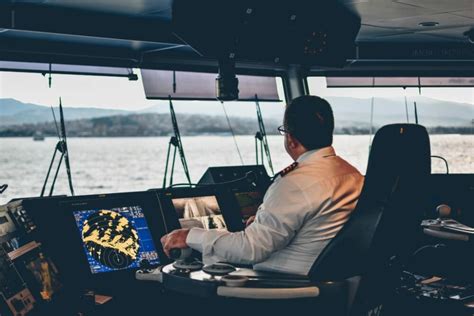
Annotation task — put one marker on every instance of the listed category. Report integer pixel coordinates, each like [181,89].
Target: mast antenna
[61,147]
[175,142]
[261,139]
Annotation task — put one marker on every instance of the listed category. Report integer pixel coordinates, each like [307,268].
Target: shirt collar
[317,153]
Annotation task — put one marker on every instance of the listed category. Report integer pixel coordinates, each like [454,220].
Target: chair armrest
[445,234]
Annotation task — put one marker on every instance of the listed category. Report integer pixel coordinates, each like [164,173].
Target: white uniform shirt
[301,212]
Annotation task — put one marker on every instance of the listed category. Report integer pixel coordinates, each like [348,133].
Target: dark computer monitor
[235,177]
[238,206]
[248,203]
[209,207]
[193,207]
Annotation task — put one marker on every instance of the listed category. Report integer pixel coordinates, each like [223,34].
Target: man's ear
[296,145]
[293,143]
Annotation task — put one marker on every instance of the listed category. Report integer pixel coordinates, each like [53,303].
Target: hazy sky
[120,93]
[106,92]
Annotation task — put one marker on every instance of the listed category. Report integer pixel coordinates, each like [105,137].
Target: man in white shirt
[303,209]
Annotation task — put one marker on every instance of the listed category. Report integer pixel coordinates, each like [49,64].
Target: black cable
[406,106]
[197,185]
[437,246]
[445,162]
[416,113]
[233,134]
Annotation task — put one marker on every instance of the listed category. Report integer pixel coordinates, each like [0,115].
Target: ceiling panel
[97,27]
[399,20]
[368,32]
[380,10]
[25,36]
[445,20]
[129,7]
[416,38]
[441,5]
[465,13]
[451,33]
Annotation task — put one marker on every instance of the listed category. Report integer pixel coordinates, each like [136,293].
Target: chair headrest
[400,149]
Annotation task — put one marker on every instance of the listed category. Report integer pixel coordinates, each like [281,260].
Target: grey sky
[120,93]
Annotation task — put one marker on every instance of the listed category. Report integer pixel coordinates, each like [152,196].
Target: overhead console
[280,32]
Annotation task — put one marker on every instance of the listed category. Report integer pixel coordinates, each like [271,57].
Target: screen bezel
[232,212]
[67,251]
[225,196]
[166,199]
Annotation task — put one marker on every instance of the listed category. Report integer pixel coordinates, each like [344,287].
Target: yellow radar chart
[110,239]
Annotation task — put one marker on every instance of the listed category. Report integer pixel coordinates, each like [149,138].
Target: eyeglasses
[282,130]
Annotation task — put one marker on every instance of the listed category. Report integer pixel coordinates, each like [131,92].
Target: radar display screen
[116,239]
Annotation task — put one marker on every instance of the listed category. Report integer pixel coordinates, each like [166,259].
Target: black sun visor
[181,85]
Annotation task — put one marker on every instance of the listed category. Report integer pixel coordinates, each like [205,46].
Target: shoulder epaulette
[288,169]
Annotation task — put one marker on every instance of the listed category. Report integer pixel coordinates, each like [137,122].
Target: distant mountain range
[150,124]
[351,112]
[14,112]
[352,116]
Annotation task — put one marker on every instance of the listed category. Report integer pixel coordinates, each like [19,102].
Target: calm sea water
[104,165]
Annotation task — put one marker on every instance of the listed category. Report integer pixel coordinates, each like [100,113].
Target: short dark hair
[310,120]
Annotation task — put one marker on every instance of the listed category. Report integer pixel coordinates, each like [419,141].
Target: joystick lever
[178,254]
[443,210]
[183,261]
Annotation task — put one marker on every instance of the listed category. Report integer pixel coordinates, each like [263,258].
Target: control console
[189,276]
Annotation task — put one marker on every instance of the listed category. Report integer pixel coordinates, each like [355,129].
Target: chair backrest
[386,219]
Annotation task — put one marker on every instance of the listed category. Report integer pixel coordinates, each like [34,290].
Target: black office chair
[380,235]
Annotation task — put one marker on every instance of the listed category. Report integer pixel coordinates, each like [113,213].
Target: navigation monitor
[115,238]
[199,211]
[248,203]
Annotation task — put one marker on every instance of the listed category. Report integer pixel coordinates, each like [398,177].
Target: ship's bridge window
[447,113]
[118,138]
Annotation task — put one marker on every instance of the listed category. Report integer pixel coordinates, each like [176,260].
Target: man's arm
[278,218]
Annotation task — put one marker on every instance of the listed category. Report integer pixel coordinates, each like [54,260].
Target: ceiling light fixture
[428,24]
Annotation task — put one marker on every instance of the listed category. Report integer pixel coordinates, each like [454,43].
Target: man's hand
[249,221]
[175,239]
